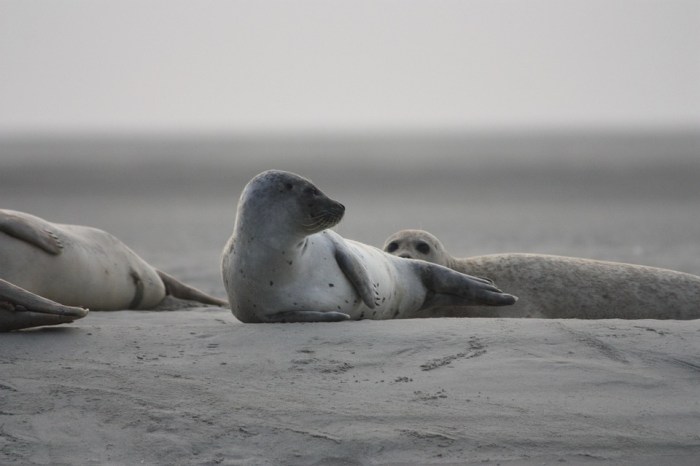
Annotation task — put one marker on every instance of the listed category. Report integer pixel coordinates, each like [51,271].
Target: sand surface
[196,386]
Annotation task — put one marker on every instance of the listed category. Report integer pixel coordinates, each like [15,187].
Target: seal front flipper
[306,316]
[32,230]
[21,309]
[356,273]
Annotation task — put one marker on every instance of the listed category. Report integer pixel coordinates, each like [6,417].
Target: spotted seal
[283,264]
[563,287]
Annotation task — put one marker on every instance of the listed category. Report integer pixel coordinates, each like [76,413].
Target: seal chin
[325,218]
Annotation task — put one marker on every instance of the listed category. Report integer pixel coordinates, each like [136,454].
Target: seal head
[300,207]
[418,244]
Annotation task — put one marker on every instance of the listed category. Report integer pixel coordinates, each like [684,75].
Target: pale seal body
[281,264]
[563,287]
[82,266]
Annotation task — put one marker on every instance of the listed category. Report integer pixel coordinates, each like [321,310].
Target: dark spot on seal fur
[272,283]
[331,285]
[138,292]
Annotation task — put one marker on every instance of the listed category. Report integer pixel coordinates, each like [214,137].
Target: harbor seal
[282,264]
[79,266]
[561,287]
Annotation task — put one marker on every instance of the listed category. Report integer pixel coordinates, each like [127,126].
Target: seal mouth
[325,218]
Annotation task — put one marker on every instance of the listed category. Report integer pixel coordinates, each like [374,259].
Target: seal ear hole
[391,247]
[422,247]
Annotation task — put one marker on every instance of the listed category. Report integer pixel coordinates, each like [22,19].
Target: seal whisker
[322,221]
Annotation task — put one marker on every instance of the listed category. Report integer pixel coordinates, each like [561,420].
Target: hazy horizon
[320,66]
[377,147]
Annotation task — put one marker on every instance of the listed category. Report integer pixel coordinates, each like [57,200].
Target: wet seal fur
[563,287]
[78,267]
[282,264]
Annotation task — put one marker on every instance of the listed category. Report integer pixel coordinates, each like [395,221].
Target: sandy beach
[198,387]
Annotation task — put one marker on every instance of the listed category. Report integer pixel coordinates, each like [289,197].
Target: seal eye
[391,247]
[289,186]
[423,248]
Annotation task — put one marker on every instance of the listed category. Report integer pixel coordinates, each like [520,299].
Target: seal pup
[81,266]
[282,264]
[21,309]
[561,287]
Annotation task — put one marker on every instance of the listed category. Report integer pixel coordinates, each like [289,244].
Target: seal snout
[333,214]
[325,217]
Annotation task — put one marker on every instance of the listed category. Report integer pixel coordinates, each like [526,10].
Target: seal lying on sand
[563,287]
[80,266]
[283,265]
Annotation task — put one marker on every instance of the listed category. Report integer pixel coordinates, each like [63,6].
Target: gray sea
[622,197]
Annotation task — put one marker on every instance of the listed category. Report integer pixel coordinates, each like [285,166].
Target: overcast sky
[262,65]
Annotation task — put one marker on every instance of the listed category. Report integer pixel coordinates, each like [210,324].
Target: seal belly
[397,290]
[94,270]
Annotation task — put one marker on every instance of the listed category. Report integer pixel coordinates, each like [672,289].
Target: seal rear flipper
[32,230]
[177,289]
[356,273]
[306,316]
